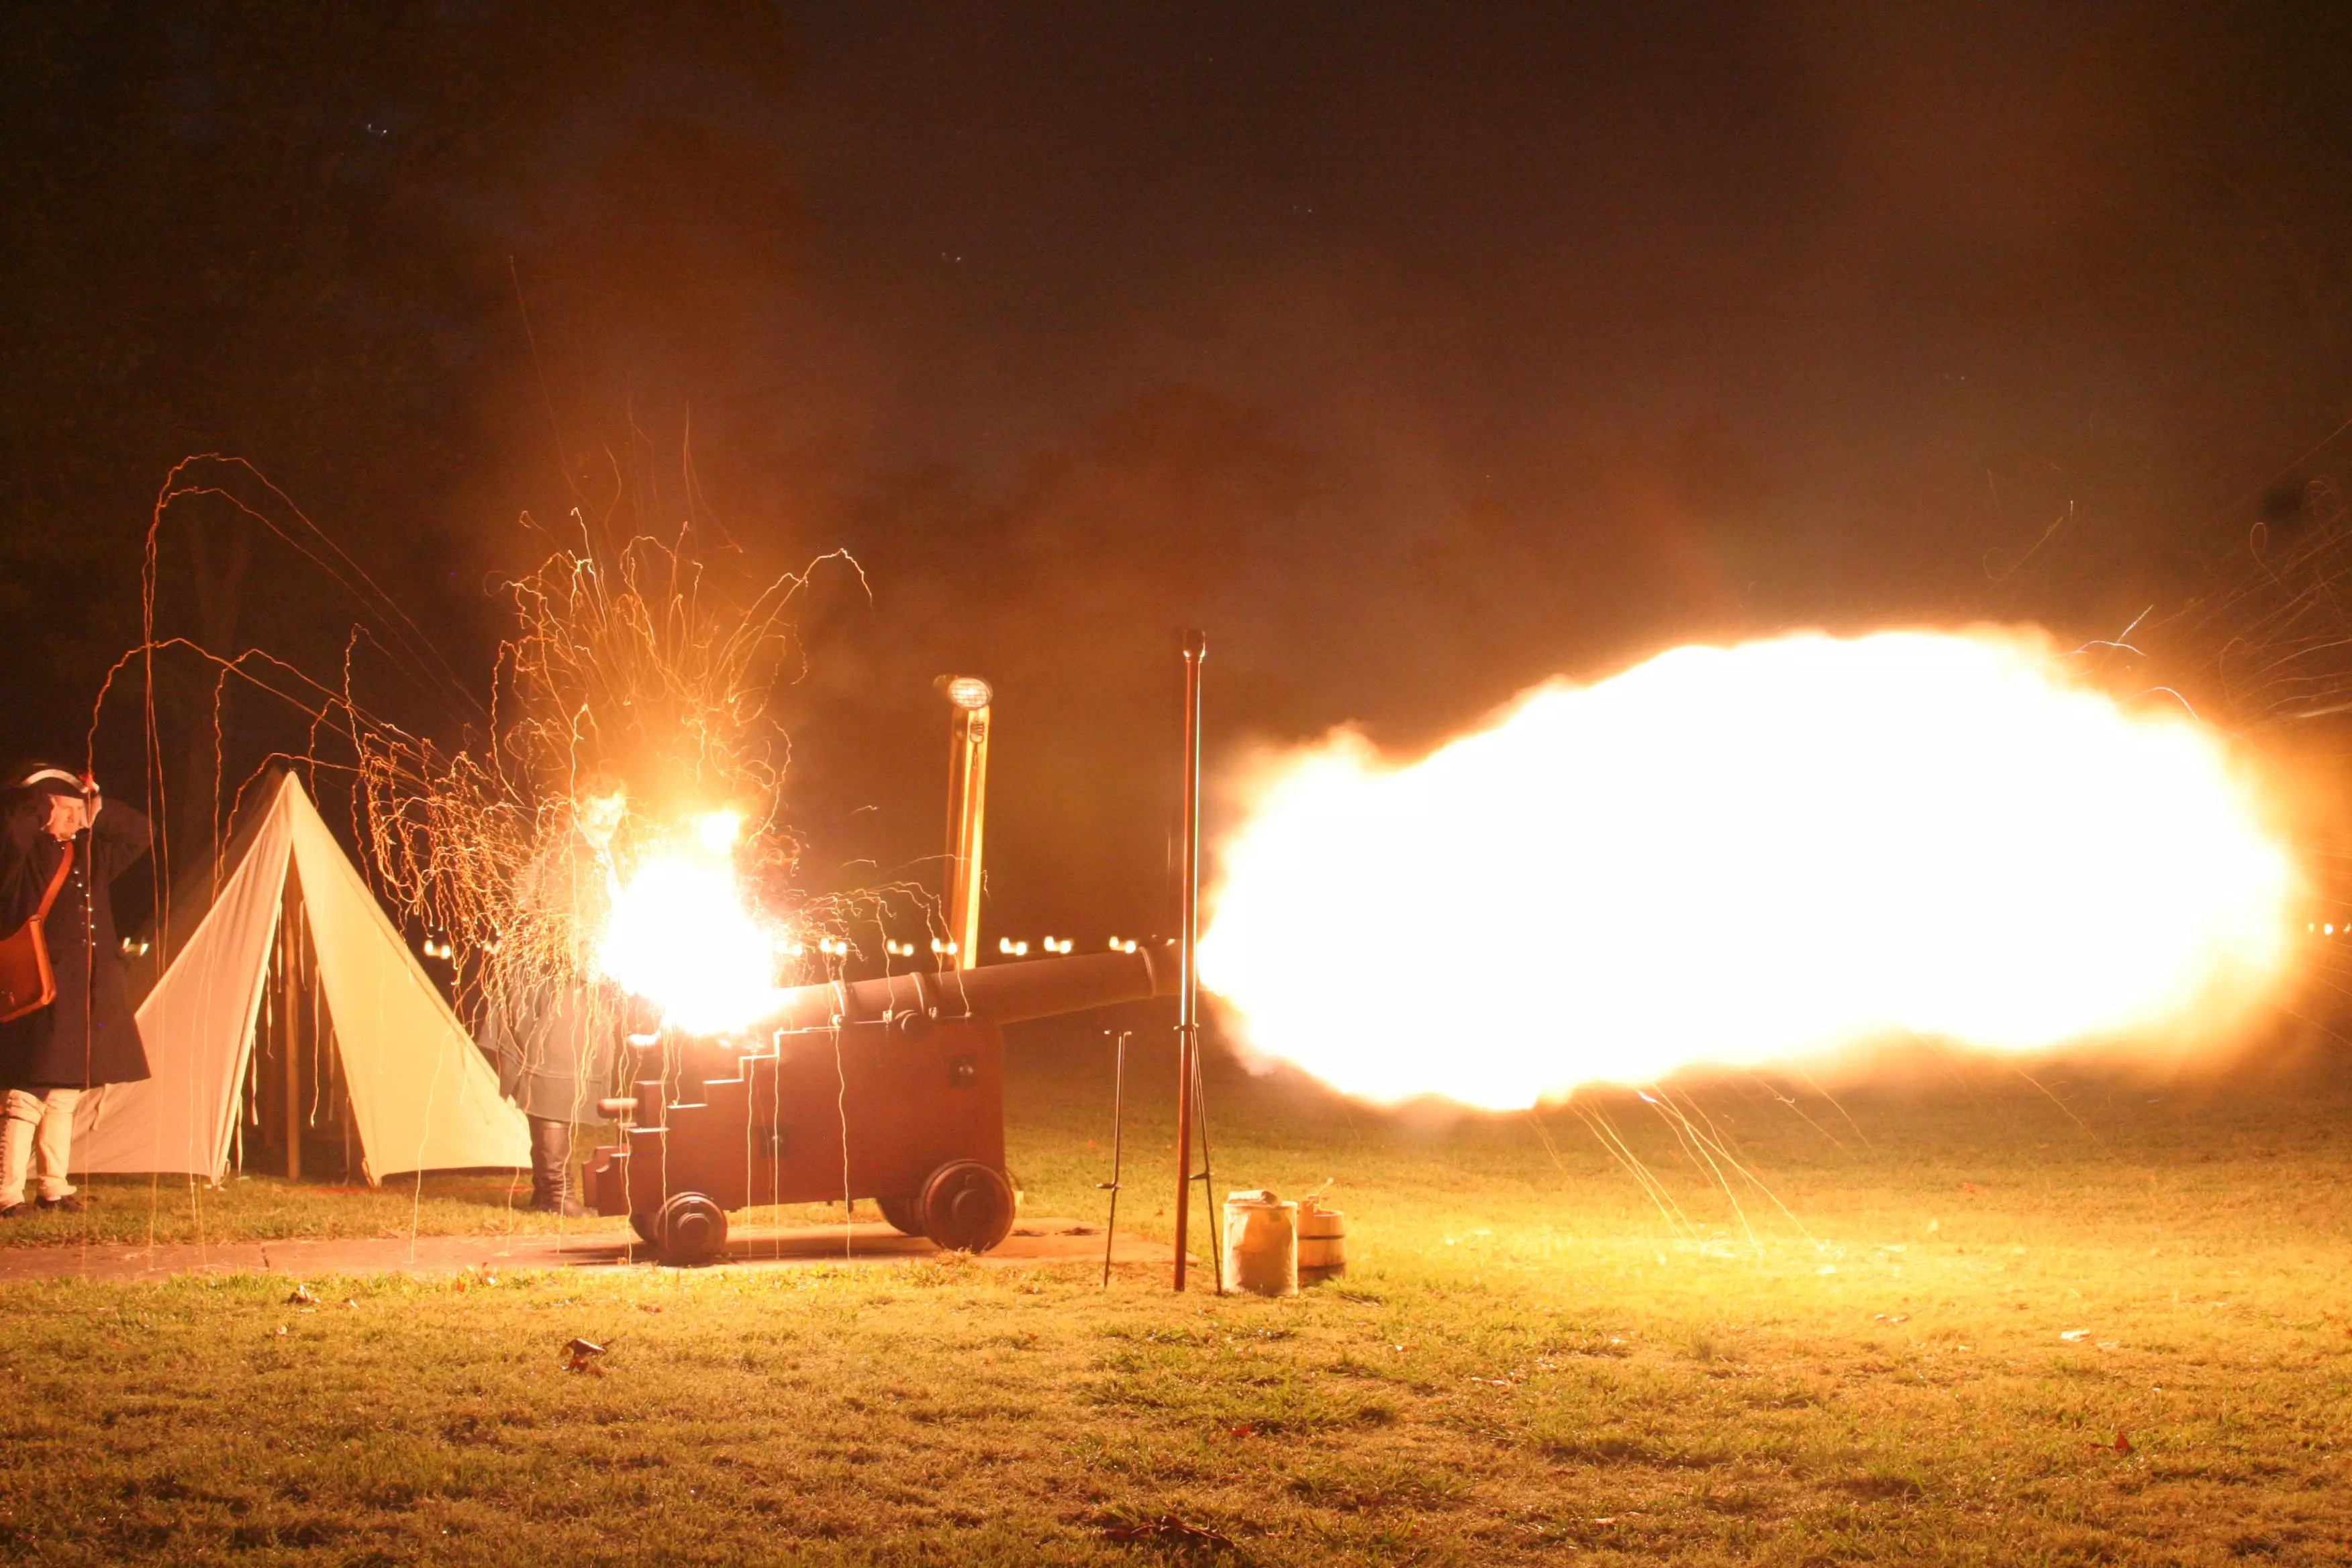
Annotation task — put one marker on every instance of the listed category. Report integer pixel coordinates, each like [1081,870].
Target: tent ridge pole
[290,939]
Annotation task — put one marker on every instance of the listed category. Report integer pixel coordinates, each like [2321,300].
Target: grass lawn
[1927,1356]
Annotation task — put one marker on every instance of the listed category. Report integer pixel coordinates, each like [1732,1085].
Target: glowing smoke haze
[1747,854]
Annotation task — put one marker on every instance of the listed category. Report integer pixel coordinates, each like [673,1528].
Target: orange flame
[1747,855]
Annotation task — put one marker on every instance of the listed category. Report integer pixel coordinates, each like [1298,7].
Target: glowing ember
[1747,854]
[681,937]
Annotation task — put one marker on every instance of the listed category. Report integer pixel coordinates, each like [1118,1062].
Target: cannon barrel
[1001,994]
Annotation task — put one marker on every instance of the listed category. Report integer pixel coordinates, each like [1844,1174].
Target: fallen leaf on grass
[281,1330]
[1170,1531]
[2122,1445]
[1246,1429]
[350,1302]
[581,1355]
[1890,1317]
[2074,1336]
[2110,1344]
[649,1306]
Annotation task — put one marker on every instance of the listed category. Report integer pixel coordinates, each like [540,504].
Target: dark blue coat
[88,1035]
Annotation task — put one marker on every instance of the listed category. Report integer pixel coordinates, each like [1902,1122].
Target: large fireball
[1746,854]
[683,937]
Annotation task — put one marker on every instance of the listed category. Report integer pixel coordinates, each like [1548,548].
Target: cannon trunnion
[890,1089]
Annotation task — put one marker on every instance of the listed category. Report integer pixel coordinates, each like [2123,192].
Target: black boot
[551,1168]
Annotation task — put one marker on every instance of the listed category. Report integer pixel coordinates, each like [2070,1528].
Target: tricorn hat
[44,778]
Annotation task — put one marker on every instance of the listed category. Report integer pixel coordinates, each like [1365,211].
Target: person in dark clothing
[555,1027]
[88,1035]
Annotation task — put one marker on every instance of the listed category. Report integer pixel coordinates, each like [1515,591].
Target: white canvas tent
[422,1097]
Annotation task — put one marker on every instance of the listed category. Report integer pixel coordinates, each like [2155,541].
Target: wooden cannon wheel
[689,1229]
[967,1206]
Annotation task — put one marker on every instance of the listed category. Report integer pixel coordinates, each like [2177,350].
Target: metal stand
[1207,1178]
[1195,646]
[1118,1109]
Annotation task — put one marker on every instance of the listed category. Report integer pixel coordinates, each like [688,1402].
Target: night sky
[1417,353]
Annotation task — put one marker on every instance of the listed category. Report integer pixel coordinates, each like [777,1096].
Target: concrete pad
[1032,1241]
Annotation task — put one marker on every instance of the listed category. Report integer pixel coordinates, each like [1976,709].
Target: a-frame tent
[422,1097]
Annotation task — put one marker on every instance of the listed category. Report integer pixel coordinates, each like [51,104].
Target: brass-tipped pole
[1188,996]
[967,810]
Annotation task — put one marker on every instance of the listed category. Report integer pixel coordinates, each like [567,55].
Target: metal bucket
[1261,1244]
[1322,1242]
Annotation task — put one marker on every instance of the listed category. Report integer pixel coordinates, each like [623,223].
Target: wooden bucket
[1322,1242]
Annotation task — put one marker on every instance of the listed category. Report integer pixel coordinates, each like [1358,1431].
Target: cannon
[891,1089]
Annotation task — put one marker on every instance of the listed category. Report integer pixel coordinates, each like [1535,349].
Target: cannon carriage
[890,1089]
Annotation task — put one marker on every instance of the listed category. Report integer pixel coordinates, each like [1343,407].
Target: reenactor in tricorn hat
[87,1035]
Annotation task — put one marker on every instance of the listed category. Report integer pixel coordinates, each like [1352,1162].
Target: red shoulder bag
[28,984]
